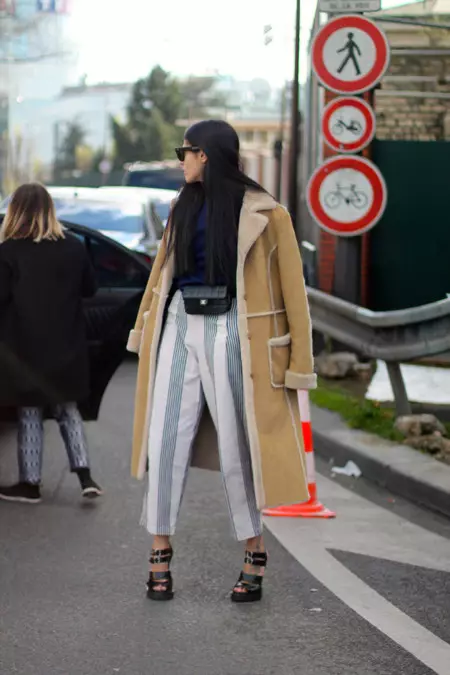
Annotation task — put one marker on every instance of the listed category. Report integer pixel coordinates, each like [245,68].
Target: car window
[123,217]
[162,209]
[153,179]
[4,204]
[158,220]
[114,268]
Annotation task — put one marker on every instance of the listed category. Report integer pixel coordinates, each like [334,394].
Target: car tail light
[147,258]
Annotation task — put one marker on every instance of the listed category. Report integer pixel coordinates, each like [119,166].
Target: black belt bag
[206,299]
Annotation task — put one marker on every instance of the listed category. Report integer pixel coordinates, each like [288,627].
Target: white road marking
[363,527]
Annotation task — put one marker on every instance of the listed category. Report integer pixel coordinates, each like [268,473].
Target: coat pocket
[279,358]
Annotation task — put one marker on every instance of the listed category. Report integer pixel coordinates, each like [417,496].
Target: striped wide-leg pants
[199,361]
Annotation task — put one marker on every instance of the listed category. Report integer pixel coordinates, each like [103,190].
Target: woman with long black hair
[223,333]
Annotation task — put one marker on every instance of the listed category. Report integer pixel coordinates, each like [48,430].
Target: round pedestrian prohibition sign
[350,54]
[348,124]
[347,195]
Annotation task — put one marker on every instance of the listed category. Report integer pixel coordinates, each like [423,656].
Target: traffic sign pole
[351,280]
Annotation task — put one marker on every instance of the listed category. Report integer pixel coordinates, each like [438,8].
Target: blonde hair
[31,215]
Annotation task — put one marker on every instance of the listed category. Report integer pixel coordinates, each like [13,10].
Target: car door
[111,313]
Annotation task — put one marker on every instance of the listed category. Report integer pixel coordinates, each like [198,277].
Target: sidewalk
[402,470]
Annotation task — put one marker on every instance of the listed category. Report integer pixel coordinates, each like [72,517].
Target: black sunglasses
[181,152]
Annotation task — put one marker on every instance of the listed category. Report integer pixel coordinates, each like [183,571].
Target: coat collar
[253,222]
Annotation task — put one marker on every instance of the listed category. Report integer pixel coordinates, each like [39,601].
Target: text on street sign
[343,6]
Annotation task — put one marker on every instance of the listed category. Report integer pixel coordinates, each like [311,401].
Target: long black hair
[223,188]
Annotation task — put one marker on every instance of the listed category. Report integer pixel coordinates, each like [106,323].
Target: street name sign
[350,54]
[348,124]
[344,6]
[346,195]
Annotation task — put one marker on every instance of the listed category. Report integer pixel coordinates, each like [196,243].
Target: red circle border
[363,83]
[363,107]
[371,172]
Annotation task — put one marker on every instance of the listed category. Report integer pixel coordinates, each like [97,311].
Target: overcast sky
[124,39]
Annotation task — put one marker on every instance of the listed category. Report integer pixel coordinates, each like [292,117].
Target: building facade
[413,102]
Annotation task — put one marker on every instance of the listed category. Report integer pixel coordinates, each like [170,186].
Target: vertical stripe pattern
[199,361]
[235,376]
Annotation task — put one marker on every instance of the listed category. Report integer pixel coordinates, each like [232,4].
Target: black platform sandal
[163,579]
[251,583]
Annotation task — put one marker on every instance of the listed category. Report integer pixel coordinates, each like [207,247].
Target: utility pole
[278,148]
[295,123]
[278,144]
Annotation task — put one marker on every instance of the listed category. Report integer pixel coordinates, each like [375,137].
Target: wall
[420,64]
[425,117]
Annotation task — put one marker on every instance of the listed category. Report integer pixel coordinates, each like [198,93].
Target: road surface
[365,594]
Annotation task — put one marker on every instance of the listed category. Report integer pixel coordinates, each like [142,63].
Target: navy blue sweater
[197,277]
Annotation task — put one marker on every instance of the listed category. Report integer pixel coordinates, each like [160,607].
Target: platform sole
[246,597]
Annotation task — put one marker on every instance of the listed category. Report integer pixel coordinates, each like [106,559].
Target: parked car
[130,221]
[166,175]
[157,199]
[110,314]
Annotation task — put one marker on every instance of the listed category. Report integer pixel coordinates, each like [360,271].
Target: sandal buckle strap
[160,556]
[256,558]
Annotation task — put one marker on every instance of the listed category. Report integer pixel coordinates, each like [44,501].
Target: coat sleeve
[89,282]
[134,340]
[5,280]
[300,374]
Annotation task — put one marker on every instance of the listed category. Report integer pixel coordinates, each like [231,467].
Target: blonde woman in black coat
[44,274]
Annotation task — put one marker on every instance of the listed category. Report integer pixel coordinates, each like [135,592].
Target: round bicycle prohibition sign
[350,54]
[348,124]
[346,195]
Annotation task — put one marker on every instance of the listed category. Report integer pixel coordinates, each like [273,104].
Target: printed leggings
[31,440]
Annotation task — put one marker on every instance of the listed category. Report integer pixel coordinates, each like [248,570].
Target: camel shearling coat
[276,350]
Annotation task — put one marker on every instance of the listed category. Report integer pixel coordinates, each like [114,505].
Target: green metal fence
[410,247]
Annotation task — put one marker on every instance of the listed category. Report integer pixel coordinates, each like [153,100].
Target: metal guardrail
[392,337]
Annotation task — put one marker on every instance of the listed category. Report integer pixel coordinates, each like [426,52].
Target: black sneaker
[22,492]
[90,489]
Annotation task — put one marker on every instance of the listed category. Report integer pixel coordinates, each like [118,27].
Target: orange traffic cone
[312,508]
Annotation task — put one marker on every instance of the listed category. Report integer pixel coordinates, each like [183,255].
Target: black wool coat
[43,345]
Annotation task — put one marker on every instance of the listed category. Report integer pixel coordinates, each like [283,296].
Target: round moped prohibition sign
[348,124]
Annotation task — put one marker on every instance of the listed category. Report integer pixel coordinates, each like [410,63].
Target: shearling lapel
[252,223]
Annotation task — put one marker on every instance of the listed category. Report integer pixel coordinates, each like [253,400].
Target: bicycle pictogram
[353,126]
[348,195]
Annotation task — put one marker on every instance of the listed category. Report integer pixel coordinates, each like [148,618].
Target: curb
[398,468]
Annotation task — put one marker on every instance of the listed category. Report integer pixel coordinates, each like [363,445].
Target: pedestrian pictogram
[348,124]
[347,195]
[350,54]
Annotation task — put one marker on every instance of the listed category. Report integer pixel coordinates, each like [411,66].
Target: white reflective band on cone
[303,404]
[310,467]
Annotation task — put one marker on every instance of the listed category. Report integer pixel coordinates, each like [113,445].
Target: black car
[110,314]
